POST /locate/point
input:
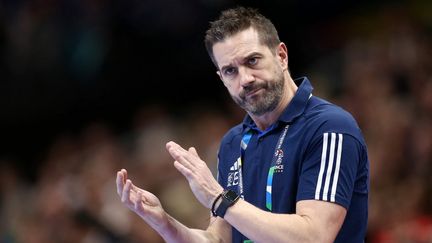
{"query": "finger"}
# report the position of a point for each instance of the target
(119, 183)
(126, 192)
(146, 196)
(193, 151)
(121, 180)
(181, 155)
(125, 175)
(138, 204)
(135, 189)
(183, 170)
(172, 146)
(191, 154)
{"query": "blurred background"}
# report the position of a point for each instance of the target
(91, 86)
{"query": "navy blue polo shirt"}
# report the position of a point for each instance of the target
(324, 158)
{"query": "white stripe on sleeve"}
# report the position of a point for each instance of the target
(336, 173)
(330, 166)
(323, 161)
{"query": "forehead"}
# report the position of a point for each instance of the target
(238, 46)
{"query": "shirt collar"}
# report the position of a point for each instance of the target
(295, 108)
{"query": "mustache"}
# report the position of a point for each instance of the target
(251, 88)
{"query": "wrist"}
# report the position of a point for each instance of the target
(168, 230)
(216, 194)
(225, 200)
(216, 202)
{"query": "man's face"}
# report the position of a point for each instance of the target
(252, 73)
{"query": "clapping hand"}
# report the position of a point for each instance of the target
(201, 180)
(142, 202)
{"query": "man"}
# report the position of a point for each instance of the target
(296, 168)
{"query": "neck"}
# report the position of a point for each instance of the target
(267, 119)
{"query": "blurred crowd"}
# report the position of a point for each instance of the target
(74, 198)
(383, 77)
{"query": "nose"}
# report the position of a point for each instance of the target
(246, 76)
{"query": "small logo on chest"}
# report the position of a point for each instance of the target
(233, 175)
(278, 167)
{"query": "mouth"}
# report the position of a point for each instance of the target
(253, 93)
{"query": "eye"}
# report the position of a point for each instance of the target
(252, 61)
(229, 71)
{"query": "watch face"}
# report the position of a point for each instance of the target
(231, 195)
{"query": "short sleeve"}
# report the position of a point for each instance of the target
(328, 171)
(219, 174)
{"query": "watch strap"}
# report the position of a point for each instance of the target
(214, 204)
(226, 203)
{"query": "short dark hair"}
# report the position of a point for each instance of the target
(232, 21)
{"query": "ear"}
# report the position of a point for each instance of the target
(282, 53)
(220, 76)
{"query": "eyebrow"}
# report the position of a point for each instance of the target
(243, 59)
(255, 53)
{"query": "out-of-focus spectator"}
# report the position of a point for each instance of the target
(381, 73)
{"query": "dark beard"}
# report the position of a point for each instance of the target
(265, 102)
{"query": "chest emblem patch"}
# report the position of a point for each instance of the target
(233, 176)
(279, 167)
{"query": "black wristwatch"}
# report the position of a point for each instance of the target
(229, 198)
